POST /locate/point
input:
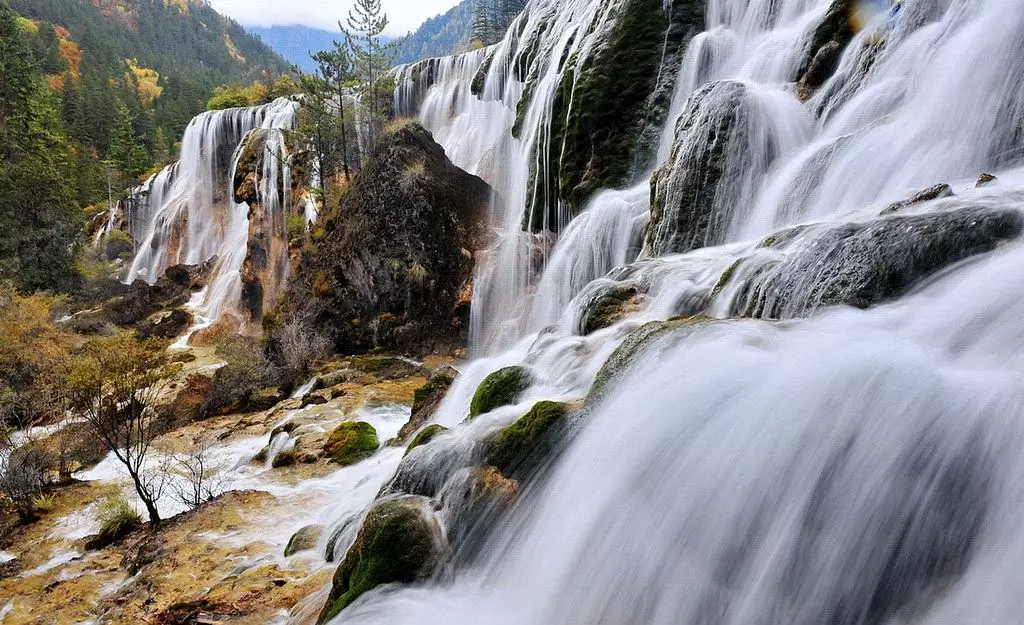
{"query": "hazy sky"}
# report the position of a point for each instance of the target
(404, 15)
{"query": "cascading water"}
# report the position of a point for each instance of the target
(188, 210)
(857, 467)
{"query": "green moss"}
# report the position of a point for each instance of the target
(635, 344)
(304, 539)
(501, 388)
(425, 435)
(351, 442)
(526, 436)
(726, 276)
(395, 544)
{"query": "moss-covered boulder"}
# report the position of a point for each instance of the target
(519, 448)
(633, 346)
(426, 401)
(399, 541)
(694, 194)
(501, 388)
(304, 539)
(864, 264)
(351, 442)
(387, 268)
(425, 435)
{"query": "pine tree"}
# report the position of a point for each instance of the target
(483, 27)
(126, 154)
(371, 60)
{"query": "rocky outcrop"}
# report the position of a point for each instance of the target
(399, 541)
(615, 101)
(825, 45)
(604, 302)
(694, 193)
(425, 435)
(864, 264)
(272, 177)
(386, 270)
(171, 290)
(303, 540)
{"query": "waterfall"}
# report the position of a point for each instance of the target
(857, 464)
(187, 213)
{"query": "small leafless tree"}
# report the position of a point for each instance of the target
(114, 386)
(301, 344)
(202, 477)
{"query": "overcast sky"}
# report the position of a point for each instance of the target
(404, 15)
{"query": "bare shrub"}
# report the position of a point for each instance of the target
(202, 477)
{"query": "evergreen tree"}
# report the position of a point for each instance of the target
(483, 28)
(126, 154)
(326, 119)
(39, 219)
(371, 61)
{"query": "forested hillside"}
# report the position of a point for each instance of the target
(439, 35)
(97, 94)
(296, 43)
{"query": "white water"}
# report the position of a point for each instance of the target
(188, 210)
(857, 467)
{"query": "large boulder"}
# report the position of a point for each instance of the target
(387, 268)
(399, 541)
(173, 289)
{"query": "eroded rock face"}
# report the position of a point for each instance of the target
(388, 268)
(399, 541)
(427, 400)
(532, 440)
(694, 193)
(272, 177)
(172, 290)
(825, 45)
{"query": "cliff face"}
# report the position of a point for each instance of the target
(388, 268)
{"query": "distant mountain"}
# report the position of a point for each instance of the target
(437, 36)
(296, 43)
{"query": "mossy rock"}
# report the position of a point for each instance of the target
(398, 542)
(304, 539)
(425, 435)
(426, 401)
(351, 442)
(284, 458)
(501, 388)
(518, 448)
(607, 305)
(635, 344)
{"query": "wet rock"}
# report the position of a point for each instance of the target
(607, 303)
(694, 193)
(425, 435)
(399, 541)
(172, 290)
(283, 458)
(427, 400)
(501, 388)
(864, 264)
(304, 539)
(985, 179)
(472, 501)
(351, 442)
(168, 326)
(634, 345)
(520, 448)
(386, 269)
(825, 44)
(931, 193)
